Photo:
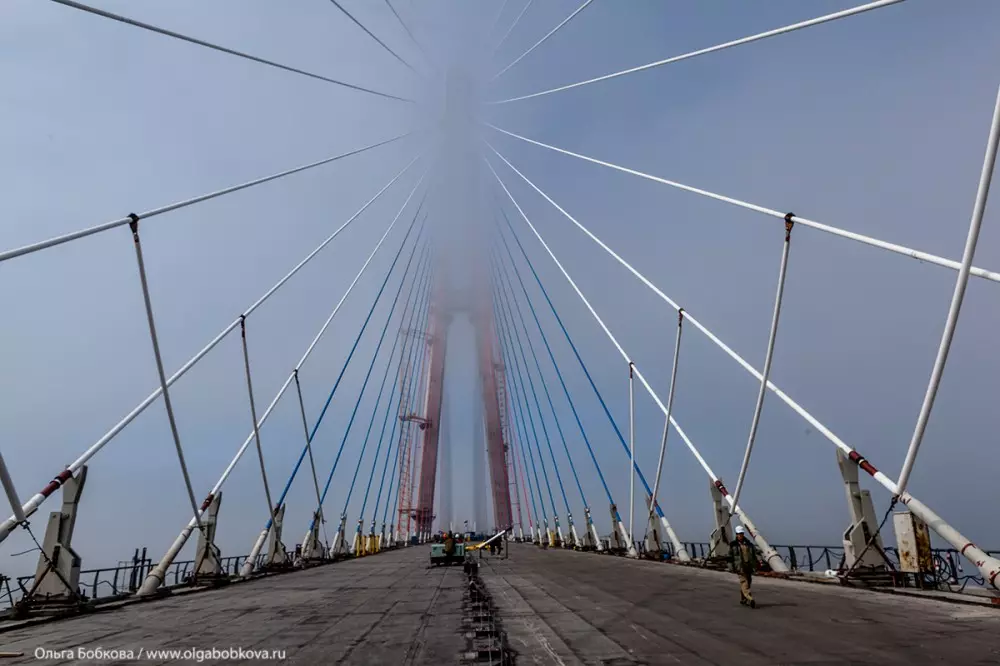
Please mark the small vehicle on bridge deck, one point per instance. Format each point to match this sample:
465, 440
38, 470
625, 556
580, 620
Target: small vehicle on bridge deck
439, 556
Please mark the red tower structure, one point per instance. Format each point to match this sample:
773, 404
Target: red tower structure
469, 291
423, 512
496, 446
428, 414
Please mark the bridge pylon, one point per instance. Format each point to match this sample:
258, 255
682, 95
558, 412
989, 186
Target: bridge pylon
313, 548
621, 540
208, 558
591, 540
57, 575
443, 307
858, 553
277, 554
339, 547
574, 539
359, 547
654, 539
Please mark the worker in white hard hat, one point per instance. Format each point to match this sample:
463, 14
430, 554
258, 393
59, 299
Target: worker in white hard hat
743, 556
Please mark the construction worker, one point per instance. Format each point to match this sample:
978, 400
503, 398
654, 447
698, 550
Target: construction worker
449, 545
743, 556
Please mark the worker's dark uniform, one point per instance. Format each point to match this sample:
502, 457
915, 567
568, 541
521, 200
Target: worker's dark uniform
743, 557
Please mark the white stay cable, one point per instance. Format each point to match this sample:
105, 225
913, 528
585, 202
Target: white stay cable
156, 576
972, 238
687, 316
600, 321
408, 32
222, 49
496, 19
768, 358
540, 41
826, 432
373, 36
989, 566
993, 276
671, 392
312, 345
711, 49
122, 221
512, 26
32, 504
769, 554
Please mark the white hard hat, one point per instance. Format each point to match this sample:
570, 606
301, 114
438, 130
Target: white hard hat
739, 529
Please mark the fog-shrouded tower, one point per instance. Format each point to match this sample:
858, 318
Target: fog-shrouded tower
462, 287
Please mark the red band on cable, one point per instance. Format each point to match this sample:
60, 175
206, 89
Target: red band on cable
860, 461
57, 482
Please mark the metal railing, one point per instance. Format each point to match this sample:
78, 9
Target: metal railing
104, 583
109, 583
798, 558
947, 561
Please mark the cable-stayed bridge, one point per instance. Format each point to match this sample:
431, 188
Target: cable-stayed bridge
374, 455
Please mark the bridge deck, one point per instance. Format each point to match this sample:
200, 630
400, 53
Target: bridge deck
557, 607
568, 607
387, 609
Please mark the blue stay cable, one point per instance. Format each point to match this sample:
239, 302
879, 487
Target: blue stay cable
523, 438
521, 444
576, 353
407, 352
504, 279
413, 382
408, 315
555, 365
505, 310
371, 366
520, 392
381, 388
336, 384
408, 381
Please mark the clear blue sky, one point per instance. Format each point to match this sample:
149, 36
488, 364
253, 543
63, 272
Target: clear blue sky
875, 123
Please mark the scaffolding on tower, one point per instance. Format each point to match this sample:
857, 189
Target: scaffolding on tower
408, 434
502, 401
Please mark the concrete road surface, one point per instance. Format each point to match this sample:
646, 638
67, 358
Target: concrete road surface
558, 607
385, 609
564, 607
